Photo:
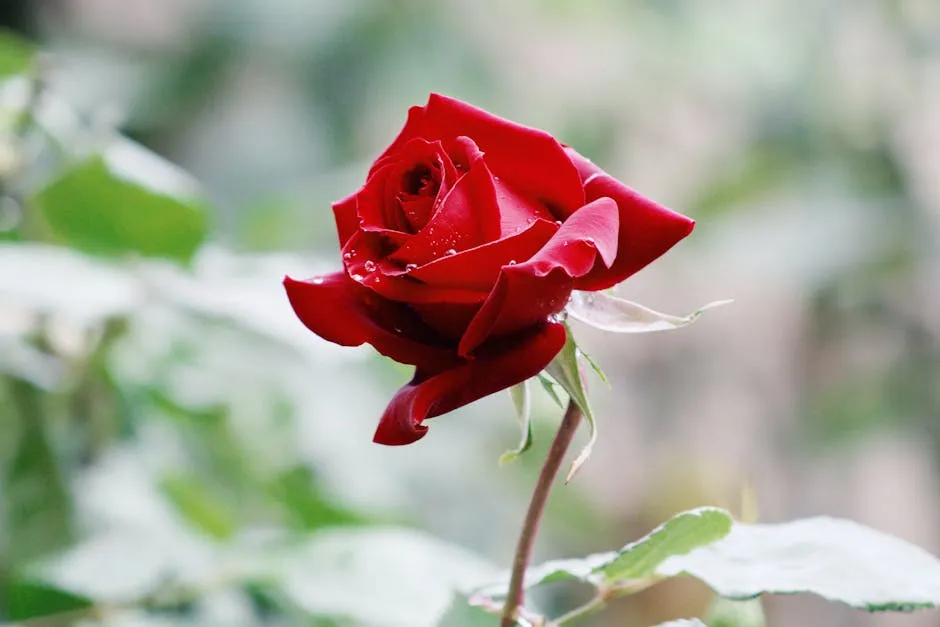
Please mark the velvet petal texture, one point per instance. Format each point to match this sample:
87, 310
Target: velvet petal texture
647, 230
340, 311
499, 365
529, 292
532, 159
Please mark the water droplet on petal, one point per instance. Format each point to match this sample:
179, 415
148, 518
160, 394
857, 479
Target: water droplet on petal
512, 262
450, 251
411, 266
529, 220
347, 256
564, 243
355, 277
559, 317
369, 266
317, 280
557, 222
396, 330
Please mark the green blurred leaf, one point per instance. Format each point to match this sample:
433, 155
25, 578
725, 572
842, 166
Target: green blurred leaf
379, 576
196, 501
16, 53
26, 599
548, 384
99, 211
522, 399
729, 613
677, 536
462, 614
36, 503
566, 371
839, 560
609, 313
307, 506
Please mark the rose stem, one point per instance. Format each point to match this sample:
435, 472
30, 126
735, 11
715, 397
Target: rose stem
566, 431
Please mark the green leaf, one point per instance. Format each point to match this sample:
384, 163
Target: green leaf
25, 599
548, 384
379, 576
595, 367
522, 399
306, 505
617, 315
679, 535
729, 613
462, 614
201, 507
839, 560
566, 371
583, 569
98, 210
16, 53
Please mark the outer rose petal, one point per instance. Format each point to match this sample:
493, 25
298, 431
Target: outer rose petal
647, 230
342, 312
498, 366
347, 221
531, 160
529, 292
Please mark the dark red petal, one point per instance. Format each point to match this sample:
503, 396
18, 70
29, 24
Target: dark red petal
362, 257
529, 159
478, 268
347, 222
340, 311
497, 367
467, 214
530, 292
647, 230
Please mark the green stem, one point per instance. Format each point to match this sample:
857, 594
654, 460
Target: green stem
530, 527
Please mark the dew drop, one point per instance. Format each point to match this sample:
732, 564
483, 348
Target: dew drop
557, 222
564, 243
529, 220
396, 329
559, 317
512, 262
317, 280
356, 277
369, 266
411, 266
347, 256
450, 251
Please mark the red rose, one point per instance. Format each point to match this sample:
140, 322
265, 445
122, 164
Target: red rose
465, 241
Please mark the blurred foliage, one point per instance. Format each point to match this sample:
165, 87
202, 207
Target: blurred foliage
177, 450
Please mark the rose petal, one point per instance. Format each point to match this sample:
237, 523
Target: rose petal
363, 258
497, 367
530, 292
478, 268
340, 311
517, 210
466, 215
647, 230
529, 159
347, 222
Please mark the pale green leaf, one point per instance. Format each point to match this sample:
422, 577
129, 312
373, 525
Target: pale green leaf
99, 208
677, 536
729, 613
522, 399
566, 371
549, 386
583, 569
610, 313
595, 367
16, 53
839, 560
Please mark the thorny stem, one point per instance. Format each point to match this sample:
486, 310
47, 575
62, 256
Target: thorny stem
569, 425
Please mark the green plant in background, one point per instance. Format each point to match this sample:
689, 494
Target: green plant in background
135, 490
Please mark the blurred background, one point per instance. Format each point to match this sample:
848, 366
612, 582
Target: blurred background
164, 419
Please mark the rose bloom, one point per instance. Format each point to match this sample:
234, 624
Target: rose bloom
462, 248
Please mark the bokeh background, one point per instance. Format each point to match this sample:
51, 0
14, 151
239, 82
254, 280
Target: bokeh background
156, 419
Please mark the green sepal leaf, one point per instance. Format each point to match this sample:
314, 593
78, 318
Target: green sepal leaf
16, 53
549, 386
677, 536
595, 367
839, 560
99, 208
522, 399
566, 370
462, 614
610, 313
